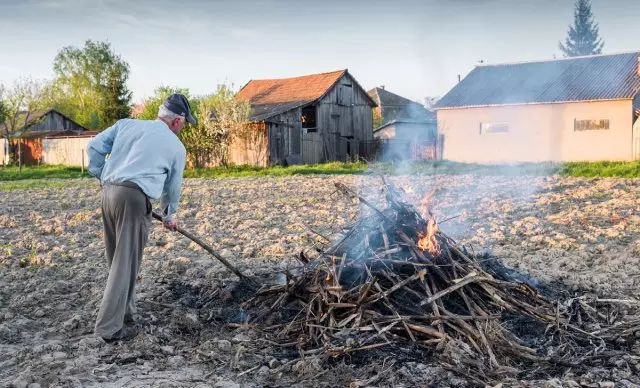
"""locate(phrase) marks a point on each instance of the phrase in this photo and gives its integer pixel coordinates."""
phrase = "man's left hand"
(171, 224)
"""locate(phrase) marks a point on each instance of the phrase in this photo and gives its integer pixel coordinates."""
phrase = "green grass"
(302, 169)
(602, 169)
(29, 184)
(38, 176)
(12, 173)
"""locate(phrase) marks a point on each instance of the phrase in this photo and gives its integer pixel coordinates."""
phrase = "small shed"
(309, 119)
(407, 129)
(38, 128)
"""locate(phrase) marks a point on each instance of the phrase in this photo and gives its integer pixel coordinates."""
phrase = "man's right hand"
(171, 224)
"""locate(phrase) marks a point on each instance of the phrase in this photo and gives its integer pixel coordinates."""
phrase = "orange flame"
(427, 241)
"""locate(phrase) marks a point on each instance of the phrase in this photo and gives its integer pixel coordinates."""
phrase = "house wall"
(537, 133)
(636, 140)
(70, 151)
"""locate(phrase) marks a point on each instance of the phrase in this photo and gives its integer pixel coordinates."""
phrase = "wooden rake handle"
(206, 247)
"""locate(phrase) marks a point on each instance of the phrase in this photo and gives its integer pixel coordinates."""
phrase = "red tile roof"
(270, 97)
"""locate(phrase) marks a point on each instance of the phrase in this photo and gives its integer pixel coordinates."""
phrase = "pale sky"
(414, 47)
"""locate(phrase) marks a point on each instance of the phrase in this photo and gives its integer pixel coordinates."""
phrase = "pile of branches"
(394, 279)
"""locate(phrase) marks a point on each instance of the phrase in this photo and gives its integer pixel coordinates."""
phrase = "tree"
(20, 103)
(583, 37)
(151, 105)
(377, 117)
(222, 118)
(90, 84)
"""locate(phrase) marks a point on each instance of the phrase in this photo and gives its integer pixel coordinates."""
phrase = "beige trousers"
(126, 215)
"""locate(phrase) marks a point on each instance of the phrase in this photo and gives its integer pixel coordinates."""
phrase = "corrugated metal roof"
(590, 78)
(395, 108)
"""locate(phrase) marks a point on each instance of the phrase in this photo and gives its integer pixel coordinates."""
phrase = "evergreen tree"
(583, 38)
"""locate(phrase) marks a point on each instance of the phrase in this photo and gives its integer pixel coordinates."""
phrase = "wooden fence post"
(19, 156)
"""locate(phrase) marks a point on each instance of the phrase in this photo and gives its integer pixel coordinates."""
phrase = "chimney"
(458, 78)
(638, 66)
(382, 86)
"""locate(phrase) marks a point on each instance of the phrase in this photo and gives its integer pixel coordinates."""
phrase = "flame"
(427, 241)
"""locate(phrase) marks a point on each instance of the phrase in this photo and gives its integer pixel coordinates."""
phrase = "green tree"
(90, 84)
(3, 107)
(222, 118)
(160, 94)
(377, 118)
(583, 37)
(20, 104)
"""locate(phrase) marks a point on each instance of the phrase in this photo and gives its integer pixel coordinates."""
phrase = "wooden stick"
(208, 249)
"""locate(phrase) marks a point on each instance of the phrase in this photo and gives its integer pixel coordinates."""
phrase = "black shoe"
(124, 334)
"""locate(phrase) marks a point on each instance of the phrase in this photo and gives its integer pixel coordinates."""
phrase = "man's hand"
(171, 224)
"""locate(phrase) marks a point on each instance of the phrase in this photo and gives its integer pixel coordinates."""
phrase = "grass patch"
(12, 173)
(31, 184)
(11, 179)
(602, 169)
(333, 168)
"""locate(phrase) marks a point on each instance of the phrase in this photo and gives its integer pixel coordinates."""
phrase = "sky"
(416, 48)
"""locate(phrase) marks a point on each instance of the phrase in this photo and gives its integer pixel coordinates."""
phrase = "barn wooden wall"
(54, 121)
(344, 118)
(285, 137)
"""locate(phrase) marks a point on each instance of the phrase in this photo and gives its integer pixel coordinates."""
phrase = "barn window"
(591, 125)
(345, 93)
(489, 128)
(309, 119)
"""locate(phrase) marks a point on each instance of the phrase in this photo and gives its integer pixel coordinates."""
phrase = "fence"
(70, 151)
(4, 157)
(394, 150)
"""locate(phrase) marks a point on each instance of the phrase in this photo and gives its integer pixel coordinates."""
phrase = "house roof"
(588, 78)
(35, 116)
(270, 97)
(395, 108)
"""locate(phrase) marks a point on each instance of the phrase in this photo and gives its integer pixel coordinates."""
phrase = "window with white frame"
(591, 125)
(496, 127)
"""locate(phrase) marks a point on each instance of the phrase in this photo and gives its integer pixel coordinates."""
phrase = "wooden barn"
(309, 119)
(36, 128)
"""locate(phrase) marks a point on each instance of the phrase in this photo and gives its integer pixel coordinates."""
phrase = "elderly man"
(145, 160)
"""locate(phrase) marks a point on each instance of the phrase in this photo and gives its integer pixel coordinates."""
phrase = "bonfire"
(395, 281)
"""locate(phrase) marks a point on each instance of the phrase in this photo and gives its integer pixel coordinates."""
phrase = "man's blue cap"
(178, 104)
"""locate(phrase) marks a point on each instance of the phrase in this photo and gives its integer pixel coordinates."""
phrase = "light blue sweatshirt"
(145, 152)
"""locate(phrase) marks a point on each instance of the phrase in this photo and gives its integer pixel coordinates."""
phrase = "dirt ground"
(584, 233)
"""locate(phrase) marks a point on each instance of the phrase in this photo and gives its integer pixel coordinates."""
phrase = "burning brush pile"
(394, 281)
